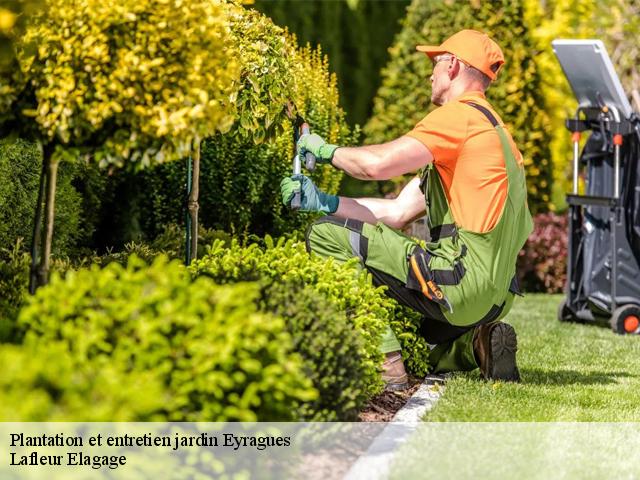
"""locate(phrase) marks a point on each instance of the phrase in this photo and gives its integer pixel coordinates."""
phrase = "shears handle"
(297, 196)
(309, 158)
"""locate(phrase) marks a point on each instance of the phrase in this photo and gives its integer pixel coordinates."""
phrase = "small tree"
(135, 82)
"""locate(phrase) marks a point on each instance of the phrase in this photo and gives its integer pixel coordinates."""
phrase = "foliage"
(542, 263)
(239, 180)
(14, 15)
(20, 165)
(266, 82)
(207, 351)
(403, 98)
(329, 346)
(355, 38)
(342, 286)
(137, 80)
(44, 382)
(14, 268)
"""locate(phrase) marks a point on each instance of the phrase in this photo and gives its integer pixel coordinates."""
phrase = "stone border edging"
(374, 464)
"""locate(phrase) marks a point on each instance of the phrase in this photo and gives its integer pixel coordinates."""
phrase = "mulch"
(384, 406)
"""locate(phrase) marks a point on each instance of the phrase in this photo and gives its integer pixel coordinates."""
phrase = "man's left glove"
(315, 144)
(312, 199)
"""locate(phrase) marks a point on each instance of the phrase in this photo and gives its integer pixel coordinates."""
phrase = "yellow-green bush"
(404, 97)
(43, 382)
(240, 171)
(203, 349)
(135, 80)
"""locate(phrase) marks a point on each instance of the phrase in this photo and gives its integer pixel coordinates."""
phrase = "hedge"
(330, 347)
(368, 310)
(20, 166)
(404, 97)
(241, 170)
(203, 349)
(355, 37)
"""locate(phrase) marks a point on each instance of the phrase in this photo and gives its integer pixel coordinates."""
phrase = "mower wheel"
(626, 320)
(564, 313)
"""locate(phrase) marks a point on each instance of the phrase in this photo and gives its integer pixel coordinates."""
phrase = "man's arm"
(396, 212)
(385, 161)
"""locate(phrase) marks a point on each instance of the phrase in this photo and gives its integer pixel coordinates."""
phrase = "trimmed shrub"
(216, 357)
(43, 382)
(20, 165)
(343, 286)
(404, 97)
(330, 347)
(542, 263)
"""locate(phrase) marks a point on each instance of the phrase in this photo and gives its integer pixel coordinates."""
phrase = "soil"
(384, 406)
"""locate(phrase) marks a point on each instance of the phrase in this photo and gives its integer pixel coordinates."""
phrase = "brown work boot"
(495, 346)
(393, 372)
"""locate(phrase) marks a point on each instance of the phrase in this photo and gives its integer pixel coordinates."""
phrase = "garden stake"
(187, 222)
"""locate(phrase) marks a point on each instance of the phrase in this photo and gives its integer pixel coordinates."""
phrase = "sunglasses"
(445, 57)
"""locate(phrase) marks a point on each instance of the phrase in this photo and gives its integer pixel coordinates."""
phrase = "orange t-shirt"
(468, 156)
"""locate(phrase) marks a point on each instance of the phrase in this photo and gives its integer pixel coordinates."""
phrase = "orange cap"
(472, 47)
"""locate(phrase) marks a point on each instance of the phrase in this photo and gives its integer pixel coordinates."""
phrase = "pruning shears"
(300, 127)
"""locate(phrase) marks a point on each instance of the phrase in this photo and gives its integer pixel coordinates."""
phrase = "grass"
(570, 372)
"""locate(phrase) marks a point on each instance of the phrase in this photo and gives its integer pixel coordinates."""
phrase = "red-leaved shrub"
(542, 263)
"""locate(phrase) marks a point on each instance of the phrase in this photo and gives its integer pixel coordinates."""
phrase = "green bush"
(330, 347)
(14, 271)
(214, 355)
(347, 288)
(404, 97)
(20, 166)
(44, 382)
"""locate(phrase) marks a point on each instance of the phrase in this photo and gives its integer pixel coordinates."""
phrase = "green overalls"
(460, 280)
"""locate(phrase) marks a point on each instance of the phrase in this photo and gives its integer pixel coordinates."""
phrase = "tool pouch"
(420, 278)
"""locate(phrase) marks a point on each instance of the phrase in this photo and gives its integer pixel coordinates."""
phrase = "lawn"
(570, 372)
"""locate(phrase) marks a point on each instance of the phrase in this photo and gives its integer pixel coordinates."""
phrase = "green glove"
(315, 144)
(312, 199)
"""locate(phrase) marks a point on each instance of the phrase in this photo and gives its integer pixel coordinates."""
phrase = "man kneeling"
(471, 182)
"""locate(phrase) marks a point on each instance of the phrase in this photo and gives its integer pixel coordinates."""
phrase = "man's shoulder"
(449, 113)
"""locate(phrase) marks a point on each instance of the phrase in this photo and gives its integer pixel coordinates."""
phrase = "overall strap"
(486, 111)
(515, 174)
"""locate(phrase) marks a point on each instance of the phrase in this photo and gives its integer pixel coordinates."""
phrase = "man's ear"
(454, 68)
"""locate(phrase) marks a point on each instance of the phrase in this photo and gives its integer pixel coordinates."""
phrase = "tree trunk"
(193, 198)
(43, 269)
(37, 223)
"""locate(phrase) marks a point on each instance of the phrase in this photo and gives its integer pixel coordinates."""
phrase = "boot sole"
(504, 346)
